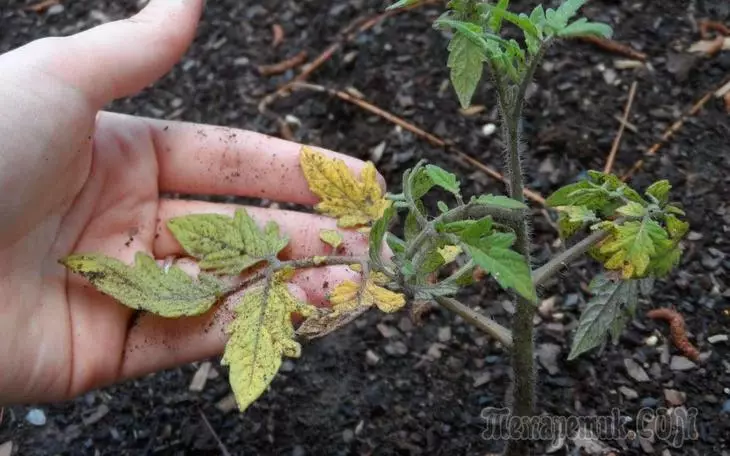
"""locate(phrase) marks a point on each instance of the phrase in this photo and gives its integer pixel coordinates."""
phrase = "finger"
(204, 159)
(302, 229)
(120, 58)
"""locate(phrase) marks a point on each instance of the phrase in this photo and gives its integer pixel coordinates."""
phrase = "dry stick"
(672, 130)
(224, 450)
(615, 47)
(284, 65)
(431, 138)
(617, 140)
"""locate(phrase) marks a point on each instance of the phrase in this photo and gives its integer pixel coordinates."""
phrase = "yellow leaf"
(351, 201)
(331, 237)
(261, 334)
(449, 253)
(348, 295)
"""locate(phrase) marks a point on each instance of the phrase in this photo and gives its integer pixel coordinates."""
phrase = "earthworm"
(677, 330)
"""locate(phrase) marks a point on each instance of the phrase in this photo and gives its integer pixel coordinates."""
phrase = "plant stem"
(523, 367)
(482, 322)
(544, 272)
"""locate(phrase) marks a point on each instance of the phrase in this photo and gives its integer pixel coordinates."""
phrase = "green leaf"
(146, 286)
(565, 12)
(261, 334)
(660, 191)
(631, 246)
(444, 179)
(432, 260)
(632, 209)
(578, 214)
(466, 61)
(667, 257)
(421, 183)
(670, 209)
(499, 201)
(331, 237)
(604, 313)
(377, 233)
(582, 27)
(508, 267)
(676, 228)
(566, 196)
(522, 21)
(226, 245)
(566, 227)
(443, 207)
(396, 244)
(411, 228)
(471, 231)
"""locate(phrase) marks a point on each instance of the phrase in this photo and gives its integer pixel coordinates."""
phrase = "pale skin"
(74, 178)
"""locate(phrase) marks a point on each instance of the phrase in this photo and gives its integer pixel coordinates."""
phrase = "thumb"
(120, 58)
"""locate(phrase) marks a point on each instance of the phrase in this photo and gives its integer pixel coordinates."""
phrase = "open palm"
(75, 179)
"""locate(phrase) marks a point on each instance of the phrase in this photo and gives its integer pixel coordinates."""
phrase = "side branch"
(544, 272)
(484, 323)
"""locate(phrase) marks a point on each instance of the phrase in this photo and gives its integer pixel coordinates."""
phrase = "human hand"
(75, 179)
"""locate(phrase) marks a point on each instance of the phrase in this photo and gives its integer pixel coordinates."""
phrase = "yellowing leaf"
(351, 201)
(331, 237)
(631, 246)
(348, 295)
(227, 245)
(147, 286)
(449, 252)
(261, 334)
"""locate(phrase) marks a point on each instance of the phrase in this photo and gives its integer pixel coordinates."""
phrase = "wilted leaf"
(349, 295)
(331, 237)
(147, 286)
(261, 334)
(227, 245)
(353, 202)
(604, 313)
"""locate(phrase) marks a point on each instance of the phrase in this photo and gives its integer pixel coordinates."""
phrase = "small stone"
(36, 417)
(405, 324)
(434, 351)
(547, 354)
(197, 384)
(635, 371)
(489, 129)
(674, 397)
(6, 449)
(55, 9)
(628, 393)
(359, 428)
(396, 348)
(226, 404)
(287, 366)
(298, 450)
(726, 406)
(710, 262)
(571, 300)
(176, 103)
(444, 334)
(649, 402)
(348, 435)
(717, 338)
(377, 152)
(99, 413)
(655, 371)
(371, 358)
(387, 331)
(680, 363)
(547, 306)
(694, 236)
(651, 340)
(482, 379)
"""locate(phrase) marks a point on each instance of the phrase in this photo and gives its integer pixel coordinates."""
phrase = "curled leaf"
(349, 295)
(351, 201)
(147, 286)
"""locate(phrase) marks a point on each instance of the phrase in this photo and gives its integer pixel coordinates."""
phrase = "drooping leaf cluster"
(476, 40)
(642, 243)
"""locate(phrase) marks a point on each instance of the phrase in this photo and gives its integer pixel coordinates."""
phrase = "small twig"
(615, 47)
(277, 32)
(482, 322)
(673, 129)
(42, 5)
(617, 140)
(544, 272)
(284, 65)
(677, 330)
(706, 25)
(629, 126)
(431, 138)
(221, 446)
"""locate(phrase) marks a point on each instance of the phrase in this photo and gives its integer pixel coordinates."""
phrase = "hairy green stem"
(549, 269)
(482, 322)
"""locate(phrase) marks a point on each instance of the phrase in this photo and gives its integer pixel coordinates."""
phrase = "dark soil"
(332, 400)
